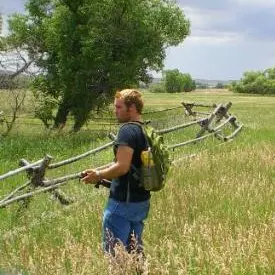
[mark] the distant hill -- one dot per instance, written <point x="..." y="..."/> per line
<point x="207" y="82"/>
<point x="212" y="83"/>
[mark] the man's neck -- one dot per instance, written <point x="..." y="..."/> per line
<point x="135" y="118"/>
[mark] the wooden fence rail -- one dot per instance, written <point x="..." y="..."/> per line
<point x="188" y="106"/>
<point x="213" y="124"/>
<point x="179" y="127"/>
<point x="19" y="170"/>
<point x="76" y="158"/>
<point x="189" y="141"/>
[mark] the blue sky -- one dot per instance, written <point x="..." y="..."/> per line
<point x="228" y="37"/>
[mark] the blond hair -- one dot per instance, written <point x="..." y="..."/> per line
<point x="131" y="97"/>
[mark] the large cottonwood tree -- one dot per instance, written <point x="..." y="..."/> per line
<point x="86" y="49"/>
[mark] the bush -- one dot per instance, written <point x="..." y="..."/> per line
<point x="157" y="87"/>
<point x="176" y="82"/>
<point x="256" y="82"/>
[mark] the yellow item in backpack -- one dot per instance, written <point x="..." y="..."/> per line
<point x="147" y="158"/>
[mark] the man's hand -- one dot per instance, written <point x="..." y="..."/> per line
<point x="90" y="176"/>
<point x="120" y="167"/>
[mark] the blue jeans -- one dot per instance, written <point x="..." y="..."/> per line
<point x="121" y="221"/>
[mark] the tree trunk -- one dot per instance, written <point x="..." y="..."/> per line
<point x="80" y="118"/>
<point x="62" y="114"/>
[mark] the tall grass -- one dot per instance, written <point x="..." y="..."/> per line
<point x="215" y="216"/>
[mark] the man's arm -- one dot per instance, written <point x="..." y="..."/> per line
<point x="119" y="168"/>
<point x="105" y="166"/>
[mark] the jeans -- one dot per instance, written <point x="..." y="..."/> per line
<point x="122" y="221"/>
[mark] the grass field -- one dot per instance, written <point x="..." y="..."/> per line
<point x="215" y="216"/>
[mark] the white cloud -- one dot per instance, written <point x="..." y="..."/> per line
<point x="258" y="3"/>
<point x="204" y="17"/>
<point x="211" y="27"/>
<point x="8" y="6"/>
<point x="215" y="38"/>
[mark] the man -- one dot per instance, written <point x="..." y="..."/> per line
<point x="128" y="203"/>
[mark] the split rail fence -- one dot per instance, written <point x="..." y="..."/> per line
<point x="210" y="125"/>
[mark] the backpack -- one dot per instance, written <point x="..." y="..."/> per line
<point x="155" y="160"/>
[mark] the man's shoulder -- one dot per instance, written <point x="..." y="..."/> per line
<point x="130" y="130"/>
<point x="131" y="125"/>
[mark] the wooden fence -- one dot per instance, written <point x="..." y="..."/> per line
<point x="211" y="125"/>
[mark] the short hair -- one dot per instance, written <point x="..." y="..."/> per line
<point x="131" y="97"/>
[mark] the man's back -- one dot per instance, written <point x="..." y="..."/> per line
<point x="130" y="135"/>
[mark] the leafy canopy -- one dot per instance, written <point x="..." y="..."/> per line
<point x="176" y="82"/>
<point x="256" y="82"/>
<point x="85" y="49"/>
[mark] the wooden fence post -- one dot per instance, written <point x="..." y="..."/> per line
<point x="205" y="126"/>
<point x="37" y="177"/>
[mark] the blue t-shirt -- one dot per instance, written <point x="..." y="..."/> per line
<point x="130" y="135"/>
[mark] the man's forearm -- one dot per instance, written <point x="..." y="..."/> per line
<point x="119" y="168"/>
<point x="114" y="171"/>
<point x="105" y="166"/>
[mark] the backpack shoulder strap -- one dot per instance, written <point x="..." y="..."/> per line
<point x="141" y="125"/>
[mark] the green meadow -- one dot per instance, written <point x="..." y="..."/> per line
<point x="216" y="214"/>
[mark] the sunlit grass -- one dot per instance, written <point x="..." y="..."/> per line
<point x="215" y="216"/>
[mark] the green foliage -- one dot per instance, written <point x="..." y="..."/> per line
<point x="176" y="82"/>
<point x="157" y="87"/>
<point x="43" y="109"/>
<point x="2" y="43"/>
<point x="200" y="85"/>
<point x="256" y="82"/>
<point x="219" y="85"/>
<point x="88" y="49"/>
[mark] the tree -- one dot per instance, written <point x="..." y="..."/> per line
<point x="188" y="83"/>
<point x="15" y="102"/>
<point x="200" y="85"/>
<point x="256" y="82"/>
<point x="219" y="85"/>
<point x="158" y="87"/>
<point x="14" y="78"/>
<point x="176" y="82"/>
<point x="88" y="49"/>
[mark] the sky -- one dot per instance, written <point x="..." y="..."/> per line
<point x="228" y="37"/>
